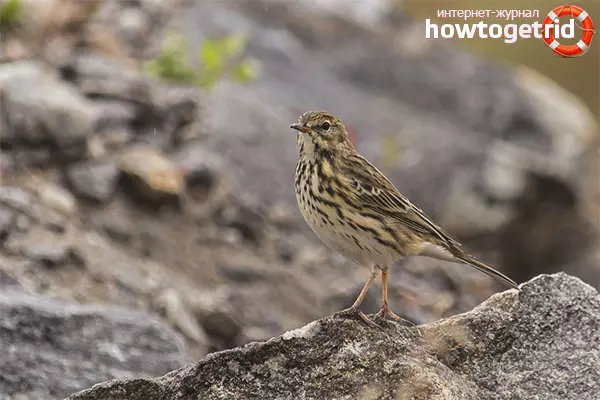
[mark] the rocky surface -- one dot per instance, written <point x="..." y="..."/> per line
<point x="537" y="343"/>
<point x="51" y="348"/>
<point x="37" y="107"/>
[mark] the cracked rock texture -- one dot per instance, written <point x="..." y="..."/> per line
<point x="541" y="343"/>
<point x="51" y="347"/>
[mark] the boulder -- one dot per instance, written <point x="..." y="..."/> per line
<point x="94" y="180"/>
<point x="540" y="342"/>
<point x="52" y="347"/>
<point x="151" y="173"/>
<point x="38" y="108"/>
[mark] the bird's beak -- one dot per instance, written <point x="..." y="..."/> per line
<point x="300" y="127"/>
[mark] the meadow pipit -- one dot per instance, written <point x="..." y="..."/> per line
<point x="354" y="209"/>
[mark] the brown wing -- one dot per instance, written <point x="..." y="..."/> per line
<point x="376" y="193"/>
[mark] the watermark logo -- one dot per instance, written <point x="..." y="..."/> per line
<point x="587" y="29"/>
<point x="549" y="30"/>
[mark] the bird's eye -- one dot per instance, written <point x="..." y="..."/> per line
<point x="325" y="126"/>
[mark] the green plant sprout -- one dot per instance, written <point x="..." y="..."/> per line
<point x="10" y="13"/>
<point x="218" y="58"/>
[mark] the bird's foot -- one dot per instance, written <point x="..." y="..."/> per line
<point x="385" y="312"/>
<point x="356" y="312"/>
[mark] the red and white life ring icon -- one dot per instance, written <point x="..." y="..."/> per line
<point x="588" y="31"/>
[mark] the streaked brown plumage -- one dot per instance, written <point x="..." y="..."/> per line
<point x="354" y="209"/>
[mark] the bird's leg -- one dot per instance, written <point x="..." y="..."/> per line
<point x="385" y="308"/>
<point x="355" y="308"/>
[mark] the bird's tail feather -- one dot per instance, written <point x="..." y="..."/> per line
<point x="475" y="263"/>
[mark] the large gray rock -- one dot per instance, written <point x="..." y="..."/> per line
<point x="39" y="108"/>
<point x="94" y="180"/>
<point x="130" y="98"/>
<point x="108" y="77"/>
<point x="51" y="348"/>
<point x="135" y="24"/>
<point x="540" y="343"/>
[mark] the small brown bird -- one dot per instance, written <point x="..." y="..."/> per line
<point x="354" y="209"/>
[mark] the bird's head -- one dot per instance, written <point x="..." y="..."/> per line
<point x="320" y="130"/>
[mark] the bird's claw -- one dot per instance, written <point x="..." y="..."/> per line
<point x="356" y="312"/>
<point x="385" y="312"/>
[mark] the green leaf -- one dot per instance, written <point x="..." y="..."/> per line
<point x="215" y="57"/>
<point x="10" y="13"/>
<point x="210" y="55"/>
<point x="245" y="71"/>
<point x="233" y="44"/>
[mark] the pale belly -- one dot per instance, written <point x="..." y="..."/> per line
<point x="357" y="246"/>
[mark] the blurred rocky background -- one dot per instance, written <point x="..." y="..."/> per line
<point x="147" y="214"/>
